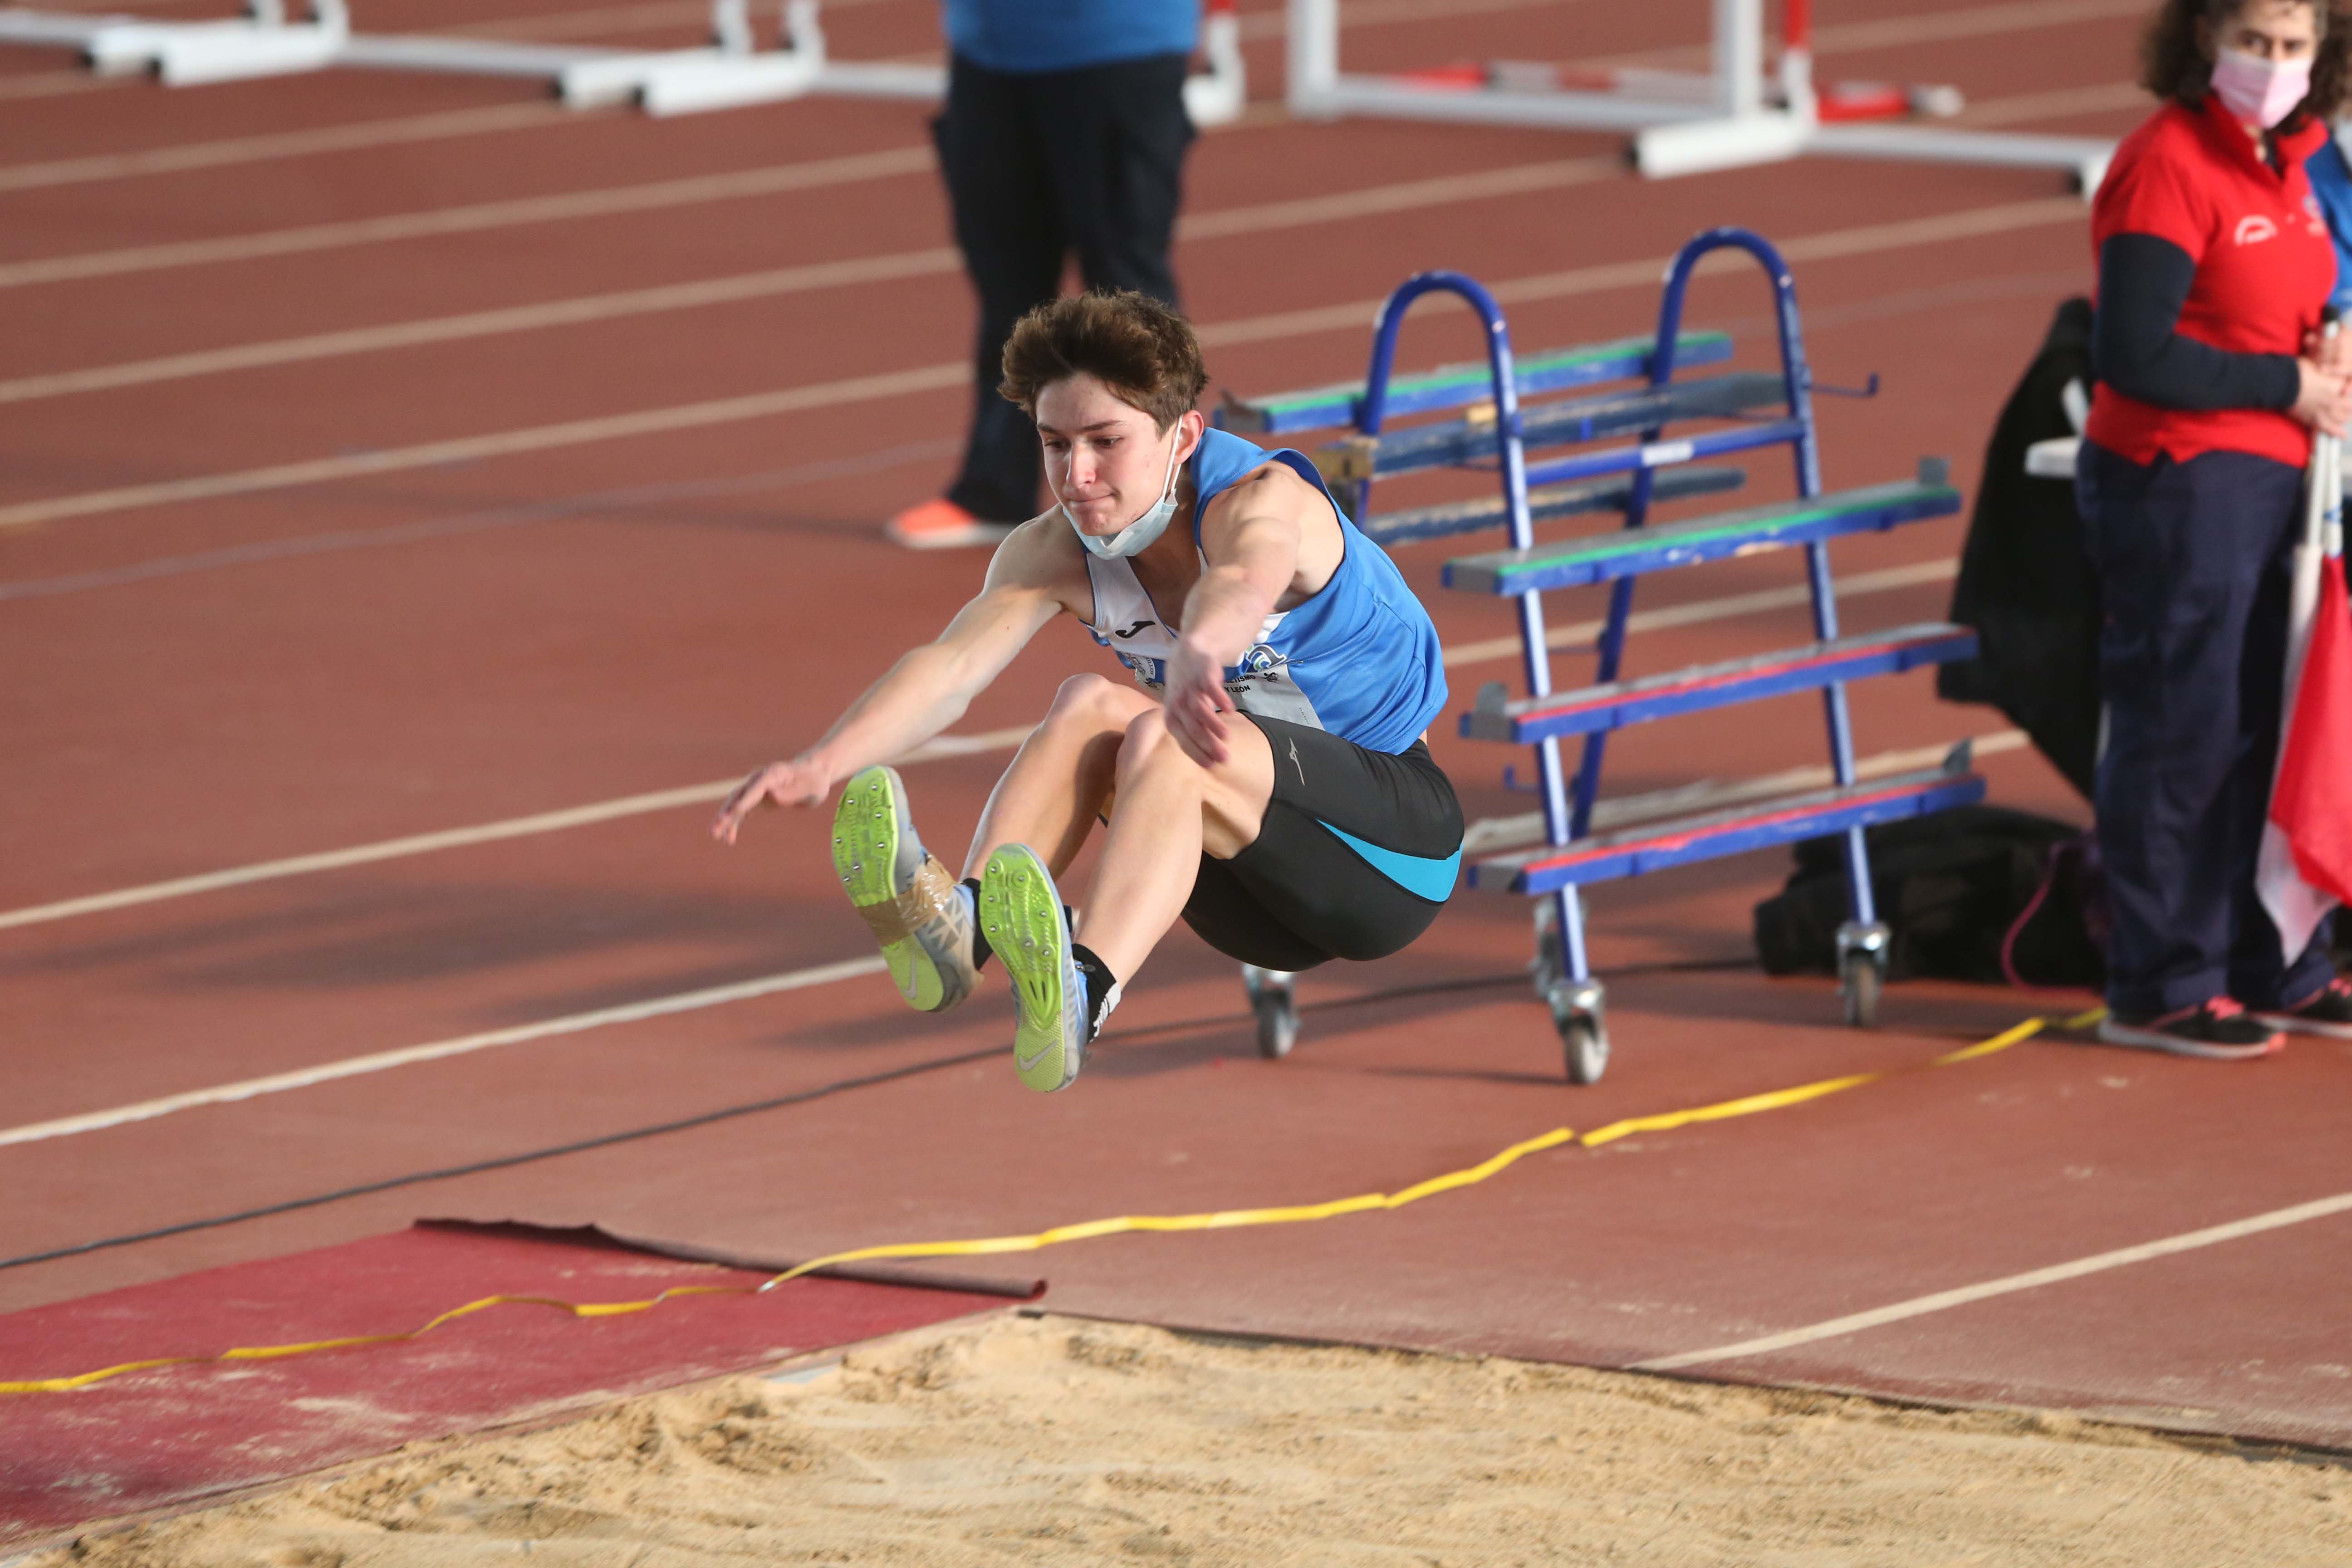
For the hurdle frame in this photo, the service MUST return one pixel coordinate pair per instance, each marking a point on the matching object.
(730, 72)
(1681, 123)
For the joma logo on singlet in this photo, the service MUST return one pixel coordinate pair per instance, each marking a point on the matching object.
(1140, 625)
(2253, 230)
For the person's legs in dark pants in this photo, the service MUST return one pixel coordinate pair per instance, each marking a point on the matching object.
(2184, 554)
(1118, 156)
(994, 155)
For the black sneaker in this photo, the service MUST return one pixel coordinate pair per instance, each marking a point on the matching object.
(2329, 1013)
(2218, 1030)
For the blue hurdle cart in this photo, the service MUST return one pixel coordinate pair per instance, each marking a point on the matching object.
(1500, 427)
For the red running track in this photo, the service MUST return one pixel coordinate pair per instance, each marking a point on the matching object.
(235, 669)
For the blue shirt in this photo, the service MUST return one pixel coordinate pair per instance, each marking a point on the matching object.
(1066, 34)
(1359, 659)
(2331, 186)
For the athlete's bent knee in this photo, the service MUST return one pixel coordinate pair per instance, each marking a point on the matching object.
(1149, 744)
(1087, 703)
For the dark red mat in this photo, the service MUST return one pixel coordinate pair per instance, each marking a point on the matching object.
(152, 1440)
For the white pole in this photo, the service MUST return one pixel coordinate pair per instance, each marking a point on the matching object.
(1314, 57)
(1738, 58)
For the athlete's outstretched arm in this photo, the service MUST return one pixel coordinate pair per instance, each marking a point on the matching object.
(1252, 536)
(928, 689)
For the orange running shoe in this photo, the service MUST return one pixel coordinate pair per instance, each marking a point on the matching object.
(942, 524)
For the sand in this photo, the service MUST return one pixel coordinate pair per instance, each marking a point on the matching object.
(1053, 1440)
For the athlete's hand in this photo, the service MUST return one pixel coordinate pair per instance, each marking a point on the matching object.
(800, 782)
(1196, 696)
(2323, 401)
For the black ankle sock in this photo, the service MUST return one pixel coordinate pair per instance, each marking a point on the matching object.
(981, 952)
(1100, 984)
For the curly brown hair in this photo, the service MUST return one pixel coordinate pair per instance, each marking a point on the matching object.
(1140, 348)
(2173, 63)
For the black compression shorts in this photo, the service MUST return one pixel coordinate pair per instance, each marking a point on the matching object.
(1357, 855)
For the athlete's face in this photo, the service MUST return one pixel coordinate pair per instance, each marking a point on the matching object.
(1105, 462)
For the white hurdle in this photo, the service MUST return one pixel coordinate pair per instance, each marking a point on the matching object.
(1734, 115)
(263, 42)
(733, 71)
(730, 72)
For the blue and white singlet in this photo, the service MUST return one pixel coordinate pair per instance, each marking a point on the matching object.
(1359, 659)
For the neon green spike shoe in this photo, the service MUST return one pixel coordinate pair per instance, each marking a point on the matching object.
(1021, 914)
(916, 910)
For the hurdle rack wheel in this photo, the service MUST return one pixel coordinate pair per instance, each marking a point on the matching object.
(1275, 1002)
(1581, 1018)
(1861, 969)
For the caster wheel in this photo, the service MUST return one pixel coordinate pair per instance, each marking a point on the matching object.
(1860, 992)
(1275, 1008)
(1579, 1017)
(1863, 953)
(1585, 1047)
(1277, 1023)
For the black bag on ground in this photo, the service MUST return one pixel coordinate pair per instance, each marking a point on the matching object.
(1952, 888)
(2026, 582)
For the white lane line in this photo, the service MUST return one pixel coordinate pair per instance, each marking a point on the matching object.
(1868, 238)
(631, 501)
(2062, 104)
(56, 84)
(1880, 308)
(823, 974)
(457, 837)
(657, 195)
(500, 444)
(1694, 613)
(239, 150)
(610, 201)
(408, 1055)
(276, 144)
(938, 261)
(488, 323)
(1944, 1300)
(1968, 21)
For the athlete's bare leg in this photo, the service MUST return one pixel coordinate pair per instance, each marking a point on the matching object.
(1169, 809)
(1103, 742)
(1059, 782)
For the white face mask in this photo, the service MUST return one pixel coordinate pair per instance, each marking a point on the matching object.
(2259, 91)
(1136, 536)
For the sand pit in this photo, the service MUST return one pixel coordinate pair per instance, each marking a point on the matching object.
(1054, 1440)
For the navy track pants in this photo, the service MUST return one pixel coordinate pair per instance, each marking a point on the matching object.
(2193, 561)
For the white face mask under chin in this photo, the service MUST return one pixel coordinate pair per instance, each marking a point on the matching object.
(1136, 536)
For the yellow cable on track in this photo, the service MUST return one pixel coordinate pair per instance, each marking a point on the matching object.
(1221, 1219)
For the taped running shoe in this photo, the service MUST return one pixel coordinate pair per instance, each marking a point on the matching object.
(1021, 914)
(919, 915)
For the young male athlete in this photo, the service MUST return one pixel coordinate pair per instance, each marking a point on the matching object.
(1310, 825)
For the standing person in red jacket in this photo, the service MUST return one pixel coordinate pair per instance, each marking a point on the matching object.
(2214, 266)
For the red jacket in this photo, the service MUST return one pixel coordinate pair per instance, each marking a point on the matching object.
(2266, 267)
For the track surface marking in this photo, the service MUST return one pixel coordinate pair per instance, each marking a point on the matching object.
(2031, 1280)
